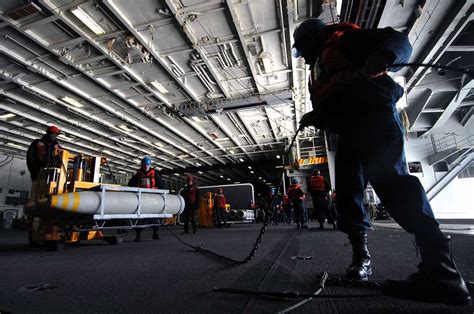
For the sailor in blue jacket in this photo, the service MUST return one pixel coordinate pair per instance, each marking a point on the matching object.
(353, 96)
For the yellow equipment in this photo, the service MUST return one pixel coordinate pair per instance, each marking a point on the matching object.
(72, 172)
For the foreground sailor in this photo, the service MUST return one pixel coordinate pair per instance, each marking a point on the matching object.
(146, 177)
(352, 95)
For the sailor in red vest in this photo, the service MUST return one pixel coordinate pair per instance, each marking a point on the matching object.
(319, 193)
(219, 206)
(41, 155)
(146, 177)
(190, 194)
(296, 196)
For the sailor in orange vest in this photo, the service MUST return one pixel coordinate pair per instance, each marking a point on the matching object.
(296, 196)
(190, 194)
(146, 177)
(219, 206)
(319, 193)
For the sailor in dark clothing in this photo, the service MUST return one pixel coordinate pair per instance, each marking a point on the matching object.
(41, 154)
(190, 194)
(353, 95)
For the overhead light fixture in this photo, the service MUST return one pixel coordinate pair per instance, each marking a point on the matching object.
(176, 174)
(196, 119)
(14, 145)
(200, 172)
(251, 171)
(125, 128)
(7, 116)
(277, 156)
(228, 179)
(159, 87)
(159, 144)
(264, 180)
(241, 160)
(260, 178)
(198, 164)
(250, 167)
(231, 151)
(87, 20)
(221, 176)
(72, 101)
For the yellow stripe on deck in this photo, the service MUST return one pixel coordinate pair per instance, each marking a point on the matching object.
(54, 201)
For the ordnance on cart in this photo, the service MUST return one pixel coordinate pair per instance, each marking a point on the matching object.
(68, 204)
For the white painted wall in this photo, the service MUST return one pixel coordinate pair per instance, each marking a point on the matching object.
(456, 201)
(12, 179)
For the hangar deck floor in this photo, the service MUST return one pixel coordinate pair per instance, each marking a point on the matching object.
(163, 276)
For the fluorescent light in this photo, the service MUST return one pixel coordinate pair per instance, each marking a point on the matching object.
(241, 160)
(277, 156)
(221, 176)
(260, 178)
(200, 172)
(7, 116)
(159, 144)
(251, 171)
(176, 174)
(196, 119)
(14, 145)
(250, 167)
(72, 101)
(228, 179)
(198, 164)
(231, 152)
(263, 180)
(125, 128)
(87, 20)
(159, 87)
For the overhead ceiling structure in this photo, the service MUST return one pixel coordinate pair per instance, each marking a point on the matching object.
(207, 88)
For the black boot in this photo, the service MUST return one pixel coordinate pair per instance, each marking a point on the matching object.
(360, 267)
(138, 236)
(437, 280)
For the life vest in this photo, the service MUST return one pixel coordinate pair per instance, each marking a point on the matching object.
(147, 179)
(190, 194)
(219, 201)
(295, 192)
(317, 185)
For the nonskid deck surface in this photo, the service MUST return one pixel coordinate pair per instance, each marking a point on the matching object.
(163, 276)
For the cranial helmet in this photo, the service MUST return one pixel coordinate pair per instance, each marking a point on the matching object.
(53, 129)
(146, 161)
(305, 36)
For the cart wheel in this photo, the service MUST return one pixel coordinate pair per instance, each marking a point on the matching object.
(55, 245)
(113, 240)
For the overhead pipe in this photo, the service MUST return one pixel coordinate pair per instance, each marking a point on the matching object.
(283, 35)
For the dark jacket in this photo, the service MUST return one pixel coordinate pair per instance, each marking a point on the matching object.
(342, 95)
(40, 154)
(190, 193)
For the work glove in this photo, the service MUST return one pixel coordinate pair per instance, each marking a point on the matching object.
(307, 119)
(377, 63)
